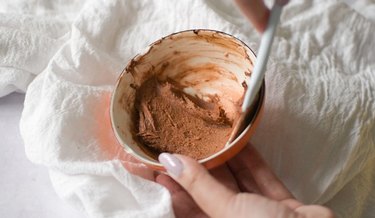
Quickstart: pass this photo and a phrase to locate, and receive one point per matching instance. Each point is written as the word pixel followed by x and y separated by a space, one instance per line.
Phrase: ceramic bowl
pixel 207 62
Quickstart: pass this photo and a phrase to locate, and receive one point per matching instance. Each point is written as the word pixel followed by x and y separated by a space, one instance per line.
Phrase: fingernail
pixel 171 163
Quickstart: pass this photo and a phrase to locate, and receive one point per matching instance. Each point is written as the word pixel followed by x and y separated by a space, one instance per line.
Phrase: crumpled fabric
pixel 318 128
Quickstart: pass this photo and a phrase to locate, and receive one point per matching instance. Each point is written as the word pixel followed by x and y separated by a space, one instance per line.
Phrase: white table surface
pixel 25 188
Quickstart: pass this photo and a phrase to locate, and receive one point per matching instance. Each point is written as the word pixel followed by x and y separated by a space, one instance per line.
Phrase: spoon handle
pixel 256 78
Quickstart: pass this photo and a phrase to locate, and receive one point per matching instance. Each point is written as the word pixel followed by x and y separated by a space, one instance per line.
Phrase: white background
pixel 25 188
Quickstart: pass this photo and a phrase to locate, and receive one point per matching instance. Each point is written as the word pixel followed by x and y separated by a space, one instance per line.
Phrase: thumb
pixel 212 197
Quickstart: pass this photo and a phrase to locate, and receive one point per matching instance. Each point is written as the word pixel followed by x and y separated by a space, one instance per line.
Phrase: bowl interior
pixel 204 62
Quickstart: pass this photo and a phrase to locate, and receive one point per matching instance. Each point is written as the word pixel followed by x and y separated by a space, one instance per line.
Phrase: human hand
pixel 248 188
pixel 257 12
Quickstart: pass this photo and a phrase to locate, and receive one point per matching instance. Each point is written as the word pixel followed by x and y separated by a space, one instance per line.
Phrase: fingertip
pixel 172 164
pixel 256 11
pixel 261 25
pixel 175 164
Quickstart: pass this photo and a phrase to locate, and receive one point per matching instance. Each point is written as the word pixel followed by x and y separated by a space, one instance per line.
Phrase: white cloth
pixel 318 129
pixel 30 34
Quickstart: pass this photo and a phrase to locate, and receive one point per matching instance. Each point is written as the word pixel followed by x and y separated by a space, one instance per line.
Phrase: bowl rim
pixel 114 93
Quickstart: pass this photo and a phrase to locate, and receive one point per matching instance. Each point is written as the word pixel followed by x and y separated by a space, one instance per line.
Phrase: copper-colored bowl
pixel 206 61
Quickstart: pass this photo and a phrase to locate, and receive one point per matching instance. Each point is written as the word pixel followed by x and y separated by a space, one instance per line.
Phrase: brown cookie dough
pixel 169 120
